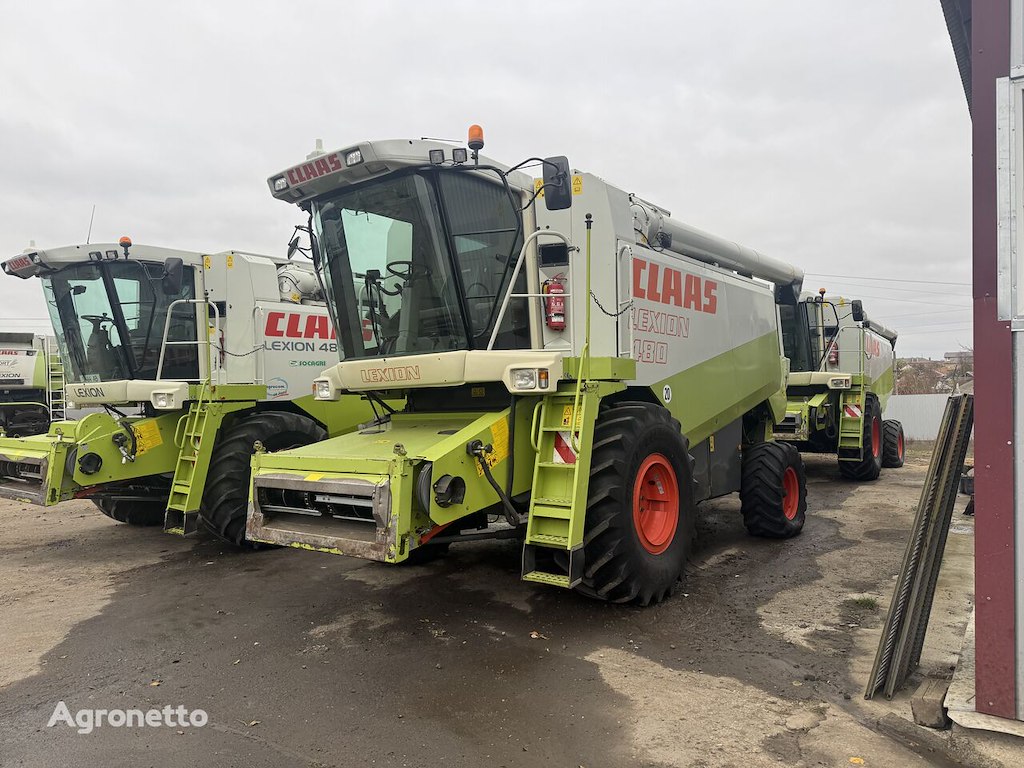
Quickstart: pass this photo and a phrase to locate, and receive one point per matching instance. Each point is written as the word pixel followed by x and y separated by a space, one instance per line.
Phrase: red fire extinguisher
pixel 833 353
pixel 554 303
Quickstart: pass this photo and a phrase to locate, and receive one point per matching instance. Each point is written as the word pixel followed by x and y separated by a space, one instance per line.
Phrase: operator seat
pixel 100 353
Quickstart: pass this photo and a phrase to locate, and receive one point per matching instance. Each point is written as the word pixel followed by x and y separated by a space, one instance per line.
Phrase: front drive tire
pixel 773 490
pixel 640 509
pixel 893 448
pixel 226 496
pixel 141 513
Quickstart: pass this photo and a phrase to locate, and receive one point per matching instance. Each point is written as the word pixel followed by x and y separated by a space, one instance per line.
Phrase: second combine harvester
pixel 581 370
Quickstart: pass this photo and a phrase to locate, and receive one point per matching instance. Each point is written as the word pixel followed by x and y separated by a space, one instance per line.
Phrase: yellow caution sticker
pixel 711 444
pixel 567 418
pixel 537 184
pixel 231 261
pixel 207 262
pixel 577 185
pixel 147 436
pixel 313 476
pixel 499 442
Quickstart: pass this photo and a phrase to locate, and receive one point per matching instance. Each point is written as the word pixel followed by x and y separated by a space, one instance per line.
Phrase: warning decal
pixel 563 453
pixel 499 441
pixel 567 417
pixel 147 436
pixel 852 411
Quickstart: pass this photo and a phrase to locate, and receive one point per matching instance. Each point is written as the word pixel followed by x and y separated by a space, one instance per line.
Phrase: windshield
pixel 418 263
pixel 109 320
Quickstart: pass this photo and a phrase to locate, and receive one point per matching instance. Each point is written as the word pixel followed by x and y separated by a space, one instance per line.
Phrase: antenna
pixel 92 216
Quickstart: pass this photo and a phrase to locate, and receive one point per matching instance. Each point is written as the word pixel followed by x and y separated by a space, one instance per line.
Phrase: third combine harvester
pixel 842 369
pixel 580 371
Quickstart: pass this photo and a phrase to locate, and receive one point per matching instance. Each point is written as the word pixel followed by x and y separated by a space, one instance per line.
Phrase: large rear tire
pixel 893 448
pixel 870 465
pixel 640 509
pixel 226 496
pixel 134 512
pixel 773 490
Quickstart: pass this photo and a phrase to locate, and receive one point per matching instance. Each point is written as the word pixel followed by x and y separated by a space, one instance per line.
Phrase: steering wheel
pixel 484 295
pixel 97 320
pixel 411 269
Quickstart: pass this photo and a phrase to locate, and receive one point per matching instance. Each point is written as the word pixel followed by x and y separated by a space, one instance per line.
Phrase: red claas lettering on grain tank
pixel 292 325
pixel 665 285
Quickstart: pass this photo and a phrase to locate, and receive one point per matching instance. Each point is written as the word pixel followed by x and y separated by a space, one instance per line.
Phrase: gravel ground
pixel 303 659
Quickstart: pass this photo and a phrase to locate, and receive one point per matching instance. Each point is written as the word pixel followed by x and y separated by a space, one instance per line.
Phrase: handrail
pixel 164 343
pixel 580 383
pixel 515 275
pixel 534 432
pixel 261 359
pixel 823 365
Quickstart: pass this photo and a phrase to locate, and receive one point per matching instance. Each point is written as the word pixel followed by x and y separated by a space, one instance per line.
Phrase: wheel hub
pixel 656 503
pixel 791 491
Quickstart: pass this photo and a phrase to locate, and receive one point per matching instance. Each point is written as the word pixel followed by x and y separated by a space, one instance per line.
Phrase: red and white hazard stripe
pixel 563 453
pixel 852 411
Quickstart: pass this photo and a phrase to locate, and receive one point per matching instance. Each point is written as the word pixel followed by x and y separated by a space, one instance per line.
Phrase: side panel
pixel 704 340
pixel 300 345
pixel 21 367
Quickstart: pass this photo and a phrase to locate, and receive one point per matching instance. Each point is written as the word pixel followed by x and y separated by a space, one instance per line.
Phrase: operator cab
pixel 809 331
pixel 418 262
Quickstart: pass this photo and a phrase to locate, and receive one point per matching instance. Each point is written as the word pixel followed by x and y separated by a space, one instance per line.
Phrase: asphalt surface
pixel 305 659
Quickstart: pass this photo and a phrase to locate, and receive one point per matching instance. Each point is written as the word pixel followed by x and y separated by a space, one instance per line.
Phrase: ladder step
pixel 554 579
pixel 555 465
pixel 549 540
pixel 553 501
pixel 553 513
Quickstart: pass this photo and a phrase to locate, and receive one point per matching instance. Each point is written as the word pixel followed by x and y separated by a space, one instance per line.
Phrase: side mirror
pixel 557 183
pixel 787 294
pixel 293 246
pixel 857 308
pixel 171 280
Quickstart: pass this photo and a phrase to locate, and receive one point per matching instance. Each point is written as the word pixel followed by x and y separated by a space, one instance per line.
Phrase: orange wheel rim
pixel 791 489
pixel 876 437
pixel 899 446
pixel 656 503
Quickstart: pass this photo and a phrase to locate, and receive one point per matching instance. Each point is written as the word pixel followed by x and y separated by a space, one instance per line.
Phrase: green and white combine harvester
pixel 842 372
pixel 581 370
pixel 31 383
pixel 213 351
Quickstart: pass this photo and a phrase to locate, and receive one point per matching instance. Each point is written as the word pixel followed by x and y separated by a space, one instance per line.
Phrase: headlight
pixel 524 378
pixel 353 157
pixel 322 390
pixel 280 183
pixel 839 382
pixel 163 400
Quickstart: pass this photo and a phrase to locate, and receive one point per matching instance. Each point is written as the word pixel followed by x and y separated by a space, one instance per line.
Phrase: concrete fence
pixel 921 415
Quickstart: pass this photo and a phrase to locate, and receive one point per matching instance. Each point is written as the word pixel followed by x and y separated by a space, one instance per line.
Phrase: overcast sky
pixel 834 135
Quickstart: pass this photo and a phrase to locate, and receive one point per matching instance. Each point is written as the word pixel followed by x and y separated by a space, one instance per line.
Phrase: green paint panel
pixel 739 379
pixel 602 368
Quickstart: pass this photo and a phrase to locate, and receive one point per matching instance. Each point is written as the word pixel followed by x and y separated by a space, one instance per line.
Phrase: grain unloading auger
pixel 210 352
pixel 581 370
